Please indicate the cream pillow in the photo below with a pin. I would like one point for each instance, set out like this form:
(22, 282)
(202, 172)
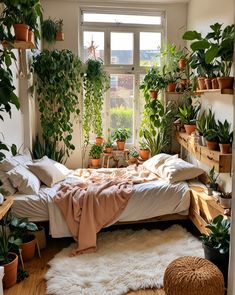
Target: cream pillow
(153, 163)
(25, 181)
(45, 170)
(63, 169)
(6, 185)
(175, 170)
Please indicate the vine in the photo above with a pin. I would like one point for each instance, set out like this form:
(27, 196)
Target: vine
(58, 83)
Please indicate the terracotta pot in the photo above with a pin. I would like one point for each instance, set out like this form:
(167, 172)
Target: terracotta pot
(182, 63)
(153, 94)
(224, 148)
(28, 249)
(190, 128)
(99, 140)
(133, 160)
(10, 271)
(108, 150)
(144, 154)
(21, 32)
(171, 87)
(208, 82)
(201, 83)
(95, 162)
(31, 36)
(41, 237)
(120, 145)
(215, 84)
(59, 36)
(211, 145)
(225, 82)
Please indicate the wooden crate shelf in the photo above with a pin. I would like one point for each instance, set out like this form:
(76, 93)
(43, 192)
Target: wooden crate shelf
(19, 44)
(221, 162)
(220, 91)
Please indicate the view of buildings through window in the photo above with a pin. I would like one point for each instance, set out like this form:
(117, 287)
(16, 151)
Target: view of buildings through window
(126, 52)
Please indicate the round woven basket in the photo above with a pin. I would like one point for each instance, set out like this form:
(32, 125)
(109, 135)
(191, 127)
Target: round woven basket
(193, 276)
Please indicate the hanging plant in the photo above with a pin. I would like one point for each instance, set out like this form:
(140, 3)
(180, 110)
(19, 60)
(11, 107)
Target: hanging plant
(58, 83)
(95, 83)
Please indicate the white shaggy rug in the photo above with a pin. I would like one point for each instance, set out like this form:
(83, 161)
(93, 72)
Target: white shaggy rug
(125, 260)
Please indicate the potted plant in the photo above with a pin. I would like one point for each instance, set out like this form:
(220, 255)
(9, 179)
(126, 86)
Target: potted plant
(212, 184)
(133, 155)
(23, 230)
(216, 243)
(99, 140)
(144, 150)
(225, 136)
(59, 30)
(182, 61)
(49, 30)
(188, 116)
(211, 133)
(153, 82)
(121, 135)
(8, 259)
(201, 128)
(108, 145)
(95, 154)
(225, 199)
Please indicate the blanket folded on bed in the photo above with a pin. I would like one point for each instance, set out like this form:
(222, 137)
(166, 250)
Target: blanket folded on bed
(97, 199)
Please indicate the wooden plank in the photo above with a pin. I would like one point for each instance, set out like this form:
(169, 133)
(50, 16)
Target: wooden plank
(198, 221)
(5, 206)
(220, 91)
(19, 44)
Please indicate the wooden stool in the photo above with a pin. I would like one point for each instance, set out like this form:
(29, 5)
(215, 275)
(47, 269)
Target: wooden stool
(193, 276)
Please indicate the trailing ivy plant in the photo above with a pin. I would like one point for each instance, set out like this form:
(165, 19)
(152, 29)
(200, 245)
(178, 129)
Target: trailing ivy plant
(58, 83)
(95, 83)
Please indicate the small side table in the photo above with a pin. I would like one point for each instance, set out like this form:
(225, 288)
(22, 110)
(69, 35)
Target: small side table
(4, 208)
(119, 157)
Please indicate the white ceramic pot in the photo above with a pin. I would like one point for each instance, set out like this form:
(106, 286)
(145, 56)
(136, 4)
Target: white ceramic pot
(225, 203)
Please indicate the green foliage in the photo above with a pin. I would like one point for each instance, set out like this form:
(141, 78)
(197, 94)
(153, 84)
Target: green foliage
(95, 151)
(153, 80)
(225, 134)
(108, 143)
(188, 114)
(211, 133)
(58, 84)
(49, 30)
(133, 153)
(212, 176)
(49, 149)
(95, 83)
(121, 134)
(121, 116)
(143, 145)
(201, 123)
(219, 237)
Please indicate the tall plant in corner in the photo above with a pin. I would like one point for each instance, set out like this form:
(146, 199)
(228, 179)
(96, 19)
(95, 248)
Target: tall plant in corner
(58, 84)
(95, 83)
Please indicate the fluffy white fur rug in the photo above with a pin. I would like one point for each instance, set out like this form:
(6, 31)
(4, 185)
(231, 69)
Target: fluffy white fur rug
(125, 260)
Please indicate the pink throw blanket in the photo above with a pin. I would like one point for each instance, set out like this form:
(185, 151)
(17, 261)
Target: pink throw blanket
(96, 200)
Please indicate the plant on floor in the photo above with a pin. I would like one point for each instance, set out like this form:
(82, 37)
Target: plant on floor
(58, 84)
(95, 151)
(95, 83)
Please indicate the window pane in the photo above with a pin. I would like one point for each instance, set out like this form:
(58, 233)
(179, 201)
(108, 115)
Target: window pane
(121, 18)
(122, 48)
(121, 102)
(150, 45)
(93, 44)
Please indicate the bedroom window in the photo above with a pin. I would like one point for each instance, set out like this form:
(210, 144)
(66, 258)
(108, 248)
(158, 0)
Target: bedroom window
(128, 44)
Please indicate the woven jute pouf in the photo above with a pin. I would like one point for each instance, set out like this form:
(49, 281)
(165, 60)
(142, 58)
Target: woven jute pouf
(193, 276)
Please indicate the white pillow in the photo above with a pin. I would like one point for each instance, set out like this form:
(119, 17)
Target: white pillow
(175, 170)
(25, 181)
(153, 163)
(45, 170)
(9, 163)
(62, 168)
(6, 185)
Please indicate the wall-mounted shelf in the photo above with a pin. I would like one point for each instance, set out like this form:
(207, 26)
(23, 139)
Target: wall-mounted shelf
(221, 162)
(220, 91)
(19, 44)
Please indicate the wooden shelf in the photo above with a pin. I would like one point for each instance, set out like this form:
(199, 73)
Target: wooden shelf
(221, 162)
(19, 44)
(220, 91)
(5, 206)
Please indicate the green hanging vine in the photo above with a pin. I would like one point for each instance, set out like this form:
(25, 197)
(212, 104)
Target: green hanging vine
(95, 83)
(58, 83)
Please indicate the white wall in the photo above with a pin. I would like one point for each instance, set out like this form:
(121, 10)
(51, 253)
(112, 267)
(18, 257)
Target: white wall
(202, 14)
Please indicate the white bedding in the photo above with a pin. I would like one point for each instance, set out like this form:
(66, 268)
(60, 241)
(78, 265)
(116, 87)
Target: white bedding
(149, 200)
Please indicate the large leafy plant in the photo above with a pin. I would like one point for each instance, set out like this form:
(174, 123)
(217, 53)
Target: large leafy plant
(188, 113)
(121, 134)
(95, 151)
(153, 80)
(95, 83)
(219, 236)
(58, 84)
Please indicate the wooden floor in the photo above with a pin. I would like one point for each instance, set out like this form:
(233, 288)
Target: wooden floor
(35, 284)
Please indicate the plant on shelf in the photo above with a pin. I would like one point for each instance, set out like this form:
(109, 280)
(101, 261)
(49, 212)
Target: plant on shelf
(95, 83)
(133, 155)
(95, 154)
(108, 145)
(216, 243)
(211, 133)
(201, 128)
(144, 150)
(49, 30)
(58, 83)
(8, 259)
(23, 230)
(59, 30)
(225, 199)
(225, 136)
(121, 135)
(188, 116)
(153, 82)
(212, 181)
